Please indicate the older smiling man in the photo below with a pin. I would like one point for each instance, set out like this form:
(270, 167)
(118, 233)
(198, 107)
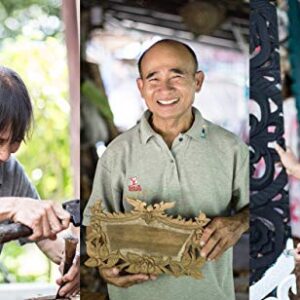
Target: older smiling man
(18, 198)
(175, 154)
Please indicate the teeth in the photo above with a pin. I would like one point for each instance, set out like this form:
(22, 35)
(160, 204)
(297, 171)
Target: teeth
(166, 102)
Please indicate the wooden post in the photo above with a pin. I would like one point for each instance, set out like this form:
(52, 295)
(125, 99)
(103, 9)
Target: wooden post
(69, 15)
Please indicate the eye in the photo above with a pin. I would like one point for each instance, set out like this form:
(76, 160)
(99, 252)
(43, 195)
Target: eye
(176, 76)
(153, 79)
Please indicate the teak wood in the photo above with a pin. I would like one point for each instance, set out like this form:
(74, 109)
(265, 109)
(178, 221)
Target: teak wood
(146, 240)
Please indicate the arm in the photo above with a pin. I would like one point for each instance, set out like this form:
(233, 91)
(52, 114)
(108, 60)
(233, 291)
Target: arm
(289, 160)
(222, 233)
(45, 218)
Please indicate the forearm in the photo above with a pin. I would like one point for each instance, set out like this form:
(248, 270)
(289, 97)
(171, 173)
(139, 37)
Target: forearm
(54, 250)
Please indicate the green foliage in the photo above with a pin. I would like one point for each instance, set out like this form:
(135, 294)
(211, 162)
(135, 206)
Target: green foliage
(46, 155)
(39, 56)
(13, 257)
(34, 18)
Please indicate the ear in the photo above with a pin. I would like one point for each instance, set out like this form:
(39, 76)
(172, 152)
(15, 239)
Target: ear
(199, 78)
(140, 84)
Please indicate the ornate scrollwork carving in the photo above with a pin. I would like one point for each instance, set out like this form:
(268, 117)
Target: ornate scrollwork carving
(269, 203)
(146, 240)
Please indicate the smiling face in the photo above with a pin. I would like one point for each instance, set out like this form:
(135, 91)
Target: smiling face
(169, 81)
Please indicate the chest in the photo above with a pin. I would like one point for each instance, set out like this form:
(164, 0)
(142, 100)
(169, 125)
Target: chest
(191, 175)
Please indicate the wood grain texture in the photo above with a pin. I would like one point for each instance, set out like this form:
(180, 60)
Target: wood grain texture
(146, 240)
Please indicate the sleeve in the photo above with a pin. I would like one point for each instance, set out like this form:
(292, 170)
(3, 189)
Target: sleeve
(103, 191)
(240, 194)
(22, 186)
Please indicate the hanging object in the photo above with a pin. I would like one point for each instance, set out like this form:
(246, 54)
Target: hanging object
(203, 17)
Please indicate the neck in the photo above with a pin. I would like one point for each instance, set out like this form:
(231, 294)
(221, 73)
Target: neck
(169, 129)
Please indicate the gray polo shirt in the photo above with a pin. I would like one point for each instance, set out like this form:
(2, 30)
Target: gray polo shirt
(14, 182)
(206, 170)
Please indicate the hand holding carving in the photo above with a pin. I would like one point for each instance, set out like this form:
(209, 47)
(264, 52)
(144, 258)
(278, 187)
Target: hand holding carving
(113, 277)
(222, 233)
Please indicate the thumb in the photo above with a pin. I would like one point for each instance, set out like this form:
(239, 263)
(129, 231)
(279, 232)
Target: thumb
(59, 281)
(113, 272)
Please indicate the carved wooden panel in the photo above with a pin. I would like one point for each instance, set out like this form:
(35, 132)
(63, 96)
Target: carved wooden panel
(146, 240)
(269, 202)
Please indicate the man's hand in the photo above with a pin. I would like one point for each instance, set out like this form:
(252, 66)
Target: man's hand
(113, 277)
(222, 233)
(45, 218)
(289, 160)
(70, 282)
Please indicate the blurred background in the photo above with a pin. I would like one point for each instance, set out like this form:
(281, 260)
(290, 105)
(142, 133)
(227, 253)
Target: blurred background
(39, 40)
(114, 33)
(288, 13)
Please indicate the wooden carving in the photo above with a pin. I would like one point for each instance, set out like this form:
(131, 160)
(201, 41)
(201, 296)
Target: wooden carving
(146, 240)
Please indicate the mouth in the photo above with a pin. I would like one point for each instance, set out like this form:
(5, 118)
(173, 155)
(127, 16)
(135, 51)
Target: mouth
(165, 102)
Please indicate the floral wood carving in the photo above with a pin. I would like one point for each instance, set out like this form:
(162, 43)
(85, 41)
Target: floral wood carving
(146, 240)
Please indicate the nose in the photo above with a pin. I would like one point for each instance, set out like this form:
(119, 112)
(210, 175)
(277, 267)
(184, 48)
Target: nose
(166, 85)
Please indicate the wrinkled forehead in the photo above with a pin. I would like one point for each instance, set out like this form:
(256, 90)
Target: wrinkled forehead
(167, 55)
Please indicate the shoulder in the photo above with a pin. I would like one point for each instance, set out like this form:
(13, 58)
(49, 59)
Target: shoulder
(223, 137)
(121, 147)
(227, 144)
(16, 183)
(13, 167)
(122, 144)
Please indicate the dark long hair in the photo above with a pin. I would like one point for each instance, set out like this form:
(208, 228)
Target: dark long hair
(15, 105)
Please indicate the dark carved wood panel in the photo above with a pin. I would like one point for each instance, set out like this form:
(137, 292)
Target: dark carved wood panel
(269, 202)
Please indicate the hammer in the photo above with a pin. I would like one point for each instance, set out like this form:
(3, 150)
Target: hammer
(15, 231)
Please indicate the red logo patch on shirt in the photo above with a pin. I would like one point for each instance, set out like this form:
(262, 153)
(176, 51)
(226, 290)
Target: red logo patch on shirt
(134, 186)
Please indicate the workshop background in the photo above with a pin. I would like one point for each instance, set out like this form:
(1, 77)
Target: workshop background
(113, 35)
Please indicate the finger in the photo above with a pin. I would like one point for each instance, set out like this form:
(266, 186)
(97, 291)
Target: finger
(279, 149)
(207, 233)
(75, 292)
(68, 287)
(107, 273)
(289, 150)
(53, 220)
(153, 277)
(217, 251)
(46, 226)
(71, 274)
(37, 230)
(63, 215)
(59, 281)
(129, 280)
(210, 245)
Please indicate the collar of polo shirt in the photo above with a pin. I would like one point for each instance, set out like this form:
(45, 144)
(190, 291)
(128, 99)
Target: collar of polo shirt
(199, 124)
